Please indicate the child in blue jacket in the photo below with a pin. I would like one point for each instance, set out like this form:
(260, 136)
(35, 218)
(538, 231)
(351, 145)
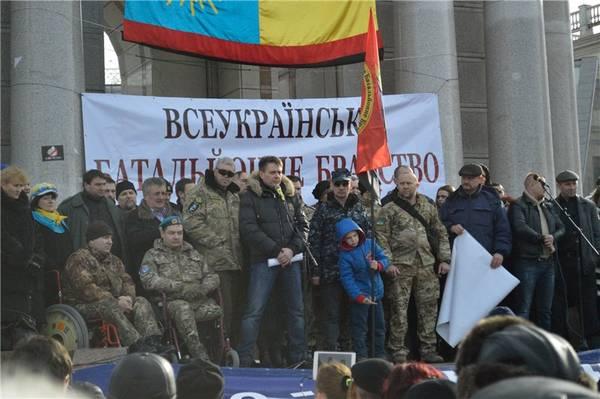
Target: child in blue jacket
(360, 275)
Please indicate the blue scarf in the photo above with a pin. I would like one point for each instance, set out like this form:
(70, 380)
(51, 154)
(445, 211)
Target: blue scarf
(59, 228)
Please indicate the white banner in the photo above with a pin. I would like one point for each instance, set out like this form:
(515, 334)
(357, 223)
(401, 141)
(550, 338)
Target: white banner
(136, 137)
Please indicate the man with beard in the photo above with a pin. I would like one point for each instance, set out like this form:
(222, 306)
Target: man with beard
(414, 240)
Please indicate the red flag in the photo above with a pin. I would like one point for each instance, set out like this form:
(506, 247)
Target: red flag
(372, 149)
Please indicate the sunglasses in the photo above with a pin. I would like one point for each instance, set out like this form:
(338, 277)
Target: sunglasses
(344, 183)
(225, 173)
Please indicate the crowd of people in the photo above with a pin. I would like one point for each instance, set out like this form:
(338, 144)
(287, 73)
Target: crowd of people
(285, 277)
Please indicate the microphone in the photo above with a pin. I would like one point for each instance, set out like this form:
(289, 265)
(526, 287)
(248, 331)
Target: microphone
(541, 180)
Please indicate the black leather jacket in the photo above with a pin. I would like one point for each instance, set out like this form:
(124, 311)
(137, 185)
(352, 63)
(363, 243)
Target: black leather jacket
(526, 227)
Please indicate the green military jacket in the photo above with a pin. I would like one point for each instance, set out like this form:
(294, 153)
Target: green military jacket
(91, 277)
(179, 273)
(403, 237)
(211, 222)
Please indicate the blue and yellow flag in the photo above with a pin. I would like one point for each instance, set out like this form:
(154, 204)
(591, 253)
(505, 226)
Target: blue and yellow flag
(262, 32)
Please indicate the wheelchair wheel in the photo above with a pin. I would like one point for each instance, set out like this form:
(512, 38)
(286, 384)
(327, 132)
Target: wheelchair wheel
(232, 358)
(65, 324)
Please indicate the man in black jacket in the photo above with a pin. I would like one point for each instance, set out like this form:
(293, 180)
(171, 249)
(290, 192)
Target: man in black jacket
(536, 229)
(577, 259)
(272, 226)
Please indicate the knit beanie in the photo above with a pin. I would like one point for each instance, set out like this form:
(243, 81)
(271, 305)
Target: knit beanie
(97, 229)
(125, 185)
(370, 374)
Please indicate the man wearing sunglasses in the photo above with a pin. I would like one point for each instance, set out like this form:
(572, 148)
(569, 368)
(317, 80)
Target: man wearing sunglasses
(340, 204)
(211, 221)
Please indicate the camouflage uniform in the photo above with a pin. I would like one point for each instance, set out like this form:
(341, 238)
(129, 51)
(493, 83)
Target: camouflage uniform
(93, 282)
(404, 240)
(211, 222)
(183, 275)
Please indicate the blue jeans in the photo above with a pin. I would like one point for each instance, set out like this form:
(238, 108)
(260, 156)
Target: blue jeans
(262, 279)
(537, 277)
(360, 326)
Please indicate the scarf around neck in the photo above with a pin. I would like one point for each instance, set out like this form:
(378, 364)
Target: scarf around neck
(52, 220)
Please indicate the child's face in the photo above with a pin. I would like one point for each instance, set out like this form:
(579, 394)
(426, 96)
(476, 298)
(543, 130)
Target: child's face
(351, 238)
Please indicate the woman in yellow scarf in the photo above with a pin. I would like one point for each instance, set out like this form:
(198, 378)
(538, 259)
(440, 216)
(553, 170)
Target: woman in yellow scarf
(53, 242)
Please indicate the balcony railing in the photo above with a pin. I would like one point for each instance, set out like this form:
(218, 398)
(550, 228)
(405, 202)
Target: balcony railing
(584, 20)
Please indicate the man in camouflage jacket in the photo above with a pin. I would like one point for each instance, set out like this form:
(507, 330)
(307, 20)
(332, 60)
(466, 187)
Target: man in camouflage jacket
(404, 239)
(175, 268)
(211, 221)
(341, 204)
(96, 284)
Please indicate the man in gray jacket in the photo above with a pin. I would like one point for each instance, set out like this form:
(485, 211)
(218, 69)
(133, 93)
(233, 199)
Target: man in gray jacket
(90, 205)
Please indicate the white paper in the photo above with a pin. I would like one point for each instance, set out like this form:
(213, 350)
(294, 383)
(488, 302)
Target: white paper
(472, 290)
(272, 262)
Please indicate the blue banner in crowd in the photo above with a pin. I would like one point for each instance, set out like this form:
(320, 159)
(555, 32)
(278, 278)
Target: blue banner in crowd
(284, 383)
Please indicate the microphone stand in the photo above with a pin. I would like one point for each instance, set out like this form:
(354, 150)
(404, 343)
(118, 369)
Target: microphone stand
(563, 210)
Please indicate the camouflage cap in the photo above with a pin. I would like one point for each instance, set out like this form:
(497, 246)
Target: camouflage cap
(170, 221)
(471, 170)
(566, 175)
(340, 174)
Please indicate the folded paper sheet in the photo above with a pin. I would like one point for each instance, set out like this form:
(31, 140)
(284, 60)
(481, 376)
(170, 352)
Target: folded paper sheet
(472, 290)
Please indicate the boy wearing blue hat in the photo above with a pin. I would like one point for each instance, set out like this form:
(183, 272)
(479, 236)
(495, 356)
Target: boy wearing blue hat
(360, 275)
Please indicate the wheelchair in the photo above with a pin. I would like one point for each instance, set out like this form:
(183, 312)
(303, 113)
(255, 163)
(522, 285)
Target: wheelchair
(65, 324)
(211, 334)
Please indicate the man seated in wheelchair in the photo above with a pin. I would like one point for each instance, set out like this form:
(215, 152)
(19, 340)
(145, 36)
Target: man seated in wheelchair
(97, 285)
(175, 268)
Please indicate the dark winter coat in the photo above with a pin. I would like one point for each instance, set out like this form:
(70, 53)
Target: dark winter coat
(590, 225)
(482, 215)
(78, 218)
(526, 227)
(355, 270)
(22, 275)
(267, 223)
(54, 247)
(322, 234)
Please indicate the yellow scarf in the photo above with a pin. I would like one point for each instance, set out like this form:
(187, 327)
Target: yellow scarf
(280, 193)
(54, 215)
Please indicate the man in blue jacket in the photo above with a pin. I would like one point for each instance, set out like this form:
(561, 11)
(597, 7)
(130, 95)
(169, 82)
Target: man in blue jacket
(478, 209)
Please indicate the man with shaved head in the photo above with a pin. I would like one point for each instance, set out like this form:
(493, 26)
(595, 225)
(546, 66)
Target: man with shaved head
(416, 242)
(536, 228)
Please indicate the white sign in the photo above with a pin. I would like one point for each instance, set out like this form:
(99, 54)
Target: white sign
(136, 137)
(472, 290)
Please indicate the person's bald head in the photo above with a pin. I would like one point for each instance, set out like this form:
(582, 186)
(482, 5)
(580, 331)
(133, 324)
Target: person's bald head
(406, 183)
(533, 186)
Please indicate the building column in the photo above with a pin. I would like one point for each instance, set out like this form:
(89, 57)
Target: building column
(46, 84)
(561, 84)
(93, 45)
(520, 131)
(425, 46)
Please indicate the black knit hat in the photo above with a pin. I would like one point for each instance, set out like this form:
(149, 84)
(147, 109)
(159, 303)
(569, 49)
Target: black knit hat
(125, 185)
(370, 374)
(97, 229)
(200, 376)
(319, 189)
